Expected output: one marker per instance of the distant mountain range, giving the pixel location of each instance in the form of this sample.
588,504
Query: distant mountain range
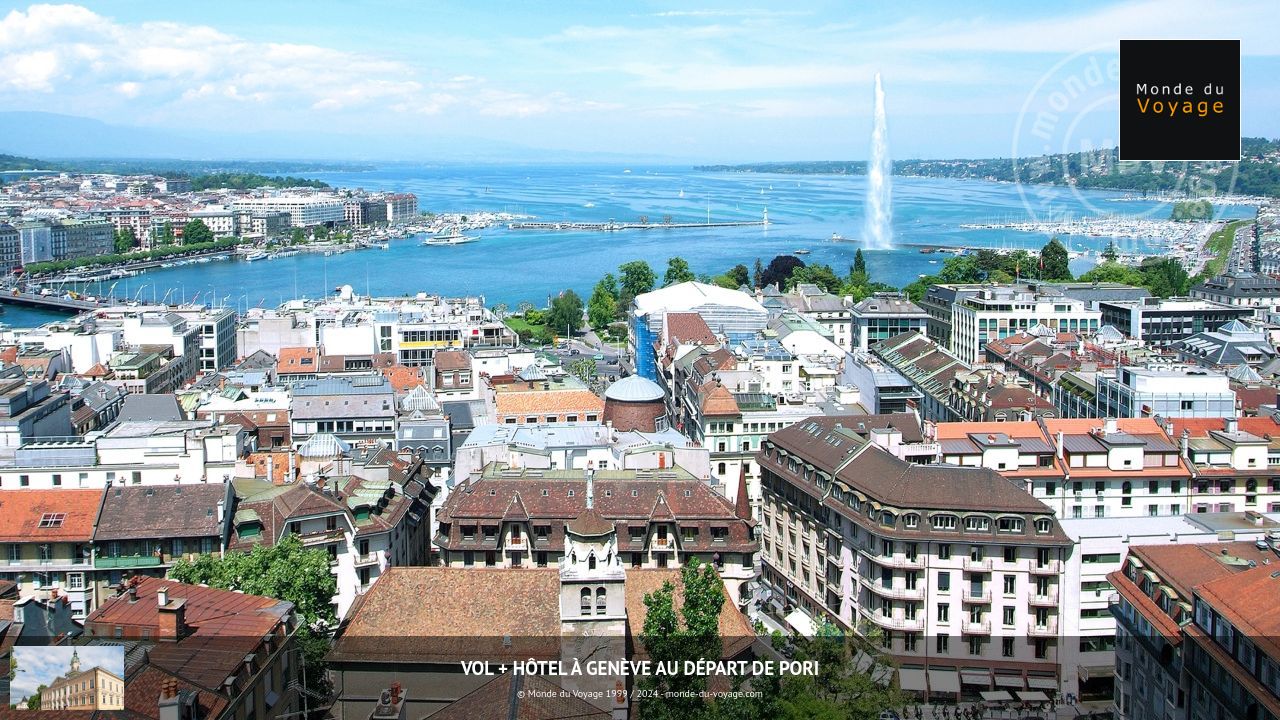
53,137
1258,170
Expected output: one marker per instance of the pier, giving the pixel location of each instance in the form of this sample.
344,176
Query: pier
612,226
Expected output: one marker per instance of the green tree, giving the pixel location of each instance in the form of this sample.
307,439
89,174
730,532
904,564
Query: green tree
853,679
1111,254
602,308
757,274
33,701
125,240
297,236
739,274
321,232
286,571
196,232
779,271
584,368
637,278
1054,261
668,640
166,235
1165,277
821,275
859,262
677,272
565,313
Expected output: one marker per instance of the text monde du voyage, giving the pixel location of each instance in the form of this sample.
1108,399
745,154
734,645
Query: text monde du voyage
1181,99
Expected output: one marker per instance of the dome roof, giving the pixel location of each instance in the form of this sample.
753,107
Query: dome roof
323,445
634,389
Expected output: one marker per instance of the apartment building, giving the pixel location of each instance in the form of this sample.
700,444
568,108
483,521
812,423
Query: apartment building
1140,391
131,452
1195,629
813,303
48,544
996,312
1235,463
1163,321
401,207
207,653
143,530
1255,291
957,568
882,316
517,517
352,408
929,367
304,210
366,523
10,248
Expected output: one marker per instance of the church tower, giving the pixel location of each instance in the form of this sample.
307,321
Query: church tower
75,661
593,605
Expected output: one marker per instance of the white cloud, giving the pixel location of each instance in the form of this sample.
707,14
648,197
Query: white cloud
199,71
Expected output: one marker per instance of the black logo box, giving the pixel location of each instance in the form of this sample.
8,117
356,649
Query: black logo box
1185,67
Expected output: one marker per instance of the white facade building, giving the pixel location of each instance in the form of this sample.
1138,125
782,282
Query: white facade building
304,210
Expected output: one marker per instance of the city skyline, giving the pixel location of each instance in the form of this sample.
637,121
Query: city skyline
711,82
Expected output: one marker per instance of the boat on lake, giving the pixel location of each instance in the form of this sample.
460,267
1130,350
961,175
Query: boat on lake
453,237
255,255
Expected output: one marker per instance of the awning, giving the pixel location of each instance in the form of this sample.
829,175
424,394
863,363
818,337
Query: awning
911,679
1044,683
996,696
976,677
1009,681
801,623
1033,696
944,681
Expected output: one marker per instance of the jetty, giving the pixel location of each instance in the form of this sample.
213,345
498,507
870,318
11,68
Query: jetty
614,226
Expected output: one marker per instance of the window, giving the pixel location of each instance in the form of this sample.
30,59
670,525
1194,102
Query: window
941,645
944,613
51,520
1008,616
944,581
1006,646
1010,584
601,602
490,558
944,551
1011,525
1010,554
584,607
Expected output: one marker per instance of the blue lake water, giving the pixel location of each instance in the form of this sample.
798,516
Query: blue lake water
514,265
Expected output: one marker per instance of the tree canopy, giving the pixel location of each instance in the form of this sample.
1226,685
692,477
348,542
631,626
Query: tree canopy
1054,261
779,271
677,272
196,232
602,308
565,313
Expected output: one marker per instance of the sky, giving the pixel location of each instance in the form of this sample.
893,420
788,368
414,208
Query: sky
41,665
693,80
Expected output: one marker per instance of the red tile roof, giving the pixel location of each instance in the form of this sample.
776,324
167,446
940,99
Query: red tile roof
452,360
58,515
298,360
684,328
402,378
1200,427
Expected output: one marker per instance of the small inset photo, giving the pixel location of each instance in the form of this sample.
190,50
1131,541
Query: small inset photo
67,678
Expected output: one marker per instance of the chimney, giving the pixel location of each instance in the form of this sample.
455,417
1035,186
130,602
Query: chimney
1110,426
1185,443
1232,424
591,486
133,595
222,510
162,595
1058,449
173,620
391,704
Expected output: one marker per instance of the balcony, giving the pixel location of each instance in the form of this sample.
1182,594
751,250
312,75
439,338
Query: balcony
50,564
1048,628
1043,600
897,623
368,559
977,596
972,565
517,543
663,544
1052,567
324,537
128,561
893,561
983,627
896,593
